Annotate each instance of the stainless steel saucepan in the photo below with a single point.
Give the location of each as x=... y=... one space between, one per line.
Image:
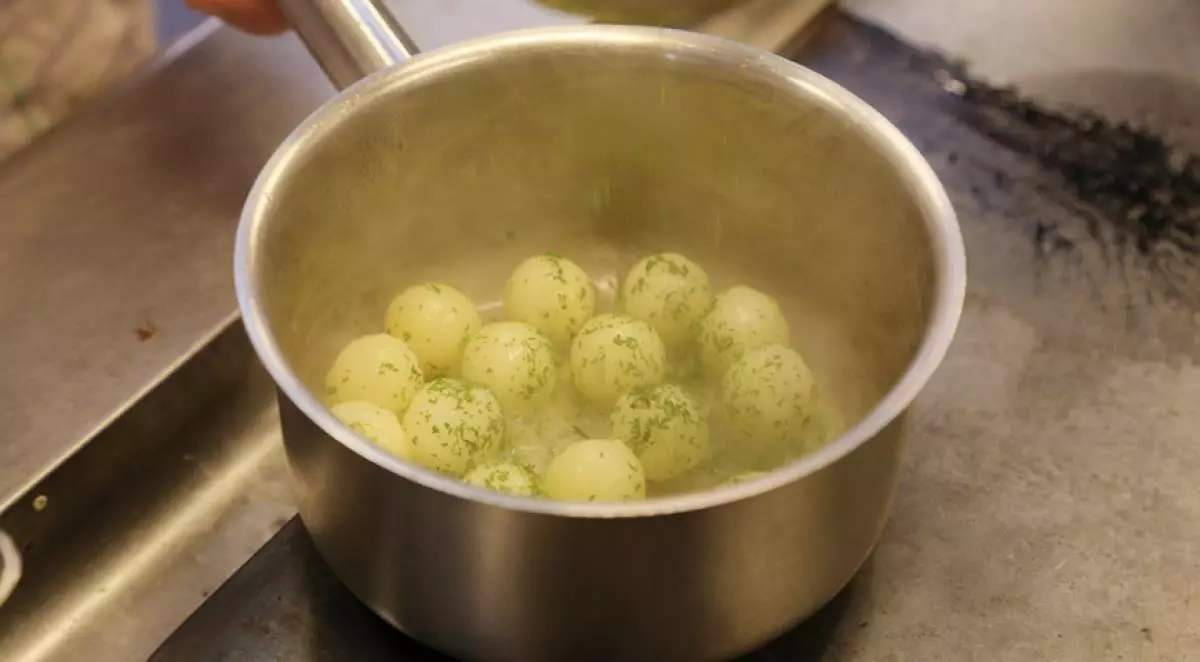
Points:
x=602 y=143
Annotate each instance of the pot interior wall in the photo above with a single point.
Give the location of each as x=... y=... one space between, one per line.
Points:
x=456 y=170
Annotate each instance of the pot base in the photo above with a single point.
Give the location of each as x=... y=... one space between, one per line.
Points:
x=286 y=604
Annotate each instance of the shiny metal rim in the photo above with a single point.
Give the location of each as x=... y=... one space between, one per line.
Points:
x=10 y=566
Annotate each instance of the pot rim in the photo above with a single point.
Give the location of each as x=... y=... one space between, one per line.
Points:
x=941 y=224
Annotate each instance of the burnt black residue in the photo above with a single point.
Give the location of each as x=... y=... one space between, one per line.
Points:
x=1148 y=189
x=1090 y=193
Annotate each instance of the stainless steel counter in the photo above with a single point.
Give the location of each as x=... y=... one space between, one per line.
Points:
x=1049 y=509
x=140 y=463
x=116 y=240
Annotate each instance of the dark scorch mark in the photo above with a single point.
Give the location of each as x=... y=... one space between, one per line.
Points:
x=1147 y=188
x=1137 y=197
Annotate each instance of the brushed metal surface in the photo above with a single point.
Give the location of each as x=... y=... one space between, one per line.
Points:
x=601 y=143
x=114 y=278
x=285 y=604
x=114 y=270
x=191 y=493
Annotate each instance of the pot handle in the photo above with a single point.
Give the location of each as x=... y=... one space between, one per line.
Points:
x=350 y=39
x=10 y=566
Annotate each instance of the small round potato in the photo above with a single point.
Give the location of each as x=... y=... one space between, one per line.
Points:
x=378 y=425
x=670 y=293
x=379 y=369
x=450 y=424
x=514 y=360
x=741 y=319
x=770 y=396
x=435 y=320
x=595 y=470
x=551 y=294
x=613 y=355
x=506 y=477
x=664 y=427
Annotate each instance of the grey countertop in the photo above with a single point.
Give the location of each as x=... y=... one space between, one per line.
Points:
x=1049 y=507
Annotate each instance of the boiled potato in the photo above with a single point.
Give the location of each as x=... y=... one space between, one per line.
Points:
x=435 y=320
x=378 y=425
x=451 y=423
x=670 y=293
x=506 y=477
x=665 y=429
x=379 y=369
x=514 y=360
x=770 y=396
x=595 y=470
x=613 y=355
x=741 y=319
x=551 y=294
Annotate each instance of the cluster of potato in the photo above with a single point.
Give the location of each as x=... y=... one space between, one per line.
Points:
x=443 y=389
